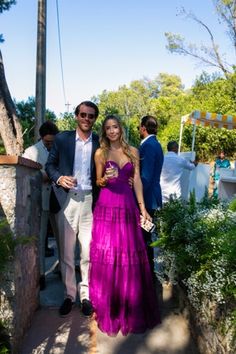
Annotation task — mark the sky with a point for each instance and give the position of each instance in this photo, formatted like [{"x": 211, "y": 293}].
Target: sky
[{"x": 105, "y": 44}]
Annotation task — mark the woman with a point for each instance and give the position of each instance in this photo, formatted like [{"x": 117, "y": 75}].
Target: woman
[
  {"x": 121, "y": 286},
  {"x": 220, "y": 162}
]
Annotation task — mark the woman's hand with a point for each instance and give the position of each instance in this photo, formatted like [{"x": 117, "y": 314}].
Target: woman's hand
[
  {"x": 111, "y": 172},
  {"x": 146, "y": 215},
  {"x": 101, "y": 182},
  {"x": 144, "y": 212}
]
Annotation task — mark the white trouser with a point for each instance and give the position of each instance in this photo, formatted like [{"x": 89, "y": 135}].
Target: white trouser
[
  {"x": 75, "y": 218},
  {"x": 45, "y": 217}
]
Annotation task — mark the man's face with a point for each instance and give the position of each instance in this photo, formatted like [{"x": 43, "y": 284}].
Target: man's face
[
  {"x": 142, "y": 131},
  {"x": 48, "y": 141},
  {"x": 86, "y": 118}
]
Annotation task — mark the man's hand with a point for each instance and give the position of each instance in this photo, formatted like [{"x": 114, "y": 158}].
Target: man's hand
[
  {"x": 131, "y": 182},
  {"x": 67, "y": 181}
]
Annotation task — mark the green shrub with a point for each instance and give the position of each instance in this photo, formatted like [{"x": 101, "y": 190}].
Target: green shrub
[
  {"x": 198, "y": 248},
  {"x": 5, "y": 347},
  {"x": 232, "y": 205}
]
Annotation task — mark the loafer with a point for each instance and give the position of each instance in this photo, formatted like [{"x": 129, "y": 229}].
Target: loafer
[
  {"x": 87, "y": 308},
  {"x": 66, "y": 307}
]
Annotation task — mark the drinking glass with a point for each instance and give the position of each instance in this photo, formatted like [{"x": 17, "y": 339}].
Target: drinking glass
[{"x": 112, "y": 171}]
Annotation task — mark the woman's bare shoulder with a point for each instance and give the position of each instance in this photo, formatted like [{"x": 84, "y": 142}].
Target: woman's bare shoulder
[
  {"x": 98, "y": 152},
  {"x": 99, "y": 156}
]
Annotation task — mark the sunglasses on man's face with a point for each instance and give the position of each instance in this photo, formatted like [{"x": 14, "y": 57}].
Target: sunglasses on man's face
[{"x": 89, "y": 115}]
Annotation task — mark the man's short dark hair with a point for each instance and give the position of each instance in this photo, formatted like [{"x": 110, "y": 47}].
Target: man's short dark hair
[
  {"x": 150, "y": 123},
  {"x": 88, "y": 104},
  {"x": 172, "y": 145},
  {"x": 48, "y": 128}
]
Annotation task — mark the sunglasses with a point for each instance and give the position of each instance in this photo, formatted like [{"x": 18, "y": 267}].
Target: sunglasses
[{"x": 89, "y": 115}]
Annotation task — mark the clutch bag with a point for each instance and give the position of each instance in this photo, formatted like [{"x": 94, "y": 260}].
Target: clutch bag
[{"x": 147, "y": 225}]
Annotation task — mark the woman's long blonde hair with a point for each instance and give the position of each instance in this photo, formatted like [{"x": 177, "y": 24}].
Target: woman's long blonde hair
[{"x": 105, "y": 142}]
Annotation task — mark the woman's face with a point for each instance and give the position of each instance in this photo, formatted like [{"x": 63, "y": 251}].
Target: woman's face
[
  {"x": 222, "y": 155},
  {"x": 112, "y": 130}
]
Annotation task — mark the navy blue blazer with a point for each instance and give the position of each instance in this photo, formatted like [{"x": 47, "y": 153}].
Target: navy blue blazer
[
  {"x": 60, "y": 162},
  {"x": 151, "y": 161}
]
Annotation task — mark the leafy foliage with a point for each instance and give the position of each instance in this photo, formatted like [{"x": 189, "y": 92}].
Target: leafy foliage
[
  {"x": 165, "y": 98},
  {"x": 5, "y": 347},
  {"x": 4, "y": 6},
  {"x": 66, "y": 122},
  {"x": 208, "y": 55},
  {"x": 198, "y": 248},
  {"x": 232, "y": 205},
  {"x": 26, "y": 114}
]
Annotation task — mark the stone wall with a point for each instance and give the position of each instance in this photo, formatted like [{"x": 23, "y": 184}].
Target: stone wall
[
  {"x": 204, "y": 325},
  {"x": 20, "y": 199}
]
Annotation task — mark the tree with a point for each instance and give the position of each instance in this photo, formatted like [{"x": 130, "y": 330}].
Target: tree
[
  {"x": 66, "y": 121},
  {"x": 10, "y": 127},
  {"x": 211, "y": 56},
  {"x": 215, "y": 94},
  {"x": 159, "y": 97},
  {"x": 26, "y": 113}
]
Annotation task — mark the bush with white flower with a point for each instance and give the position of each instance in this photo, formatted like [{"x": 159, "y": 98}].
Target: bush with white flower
[{"x": 197, "y": 243}]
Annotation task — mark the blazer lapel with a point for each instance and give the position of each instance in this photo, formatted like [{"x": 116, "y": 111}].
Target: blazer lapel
[
  {"x": 95, "y": 146},
  {"x": 71, "y": 152}
]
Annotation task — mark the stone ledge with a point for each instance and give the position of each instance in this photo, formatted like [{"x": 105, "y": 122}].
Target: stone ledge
[
  {"x": 19, "y": 160},
  {"x": 205, "y": 334}
]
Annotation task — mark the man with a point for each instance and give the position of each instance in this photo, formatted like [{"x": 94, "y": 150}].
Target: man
[
  {"x": 151, "y": 160},
  {"x": 39, "y": 153},
  {"x": 172, "y": 171},
  {"x": 71, "y": 167}
]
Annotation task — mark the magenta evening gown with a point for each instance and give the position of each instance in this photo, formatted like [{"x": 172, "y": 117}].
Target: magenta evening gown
[{"x": 121, "y": 285}]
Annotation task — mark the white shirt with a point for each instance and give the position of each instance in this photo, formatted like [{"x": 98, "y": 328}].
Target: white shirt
[
  {"x": 39, "y": 153},
  {"x": 171, "y": 173},
  {"x": 82, "y": 163}
]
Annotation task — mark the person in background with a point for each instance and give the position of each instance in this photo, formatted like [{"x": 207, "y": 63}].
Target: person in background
[
  {"x": 120, "y": 279},
  {"x": 172, "y": 170},
  {"x": 70, "y": 167},
  {"x": 220, "y": 162},
  {"x": 39, "y": 153},
  {"x": 151, "y": 161}
]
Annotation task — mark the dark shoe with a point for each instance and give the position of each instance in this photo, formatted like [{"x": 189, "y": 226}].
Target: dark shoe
[
  {"x": 42, "y": 282},
  {"x": 49, "y": 252},
  {"x": 87, "y": 308},
  {"x": 66, "y": 307}
]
